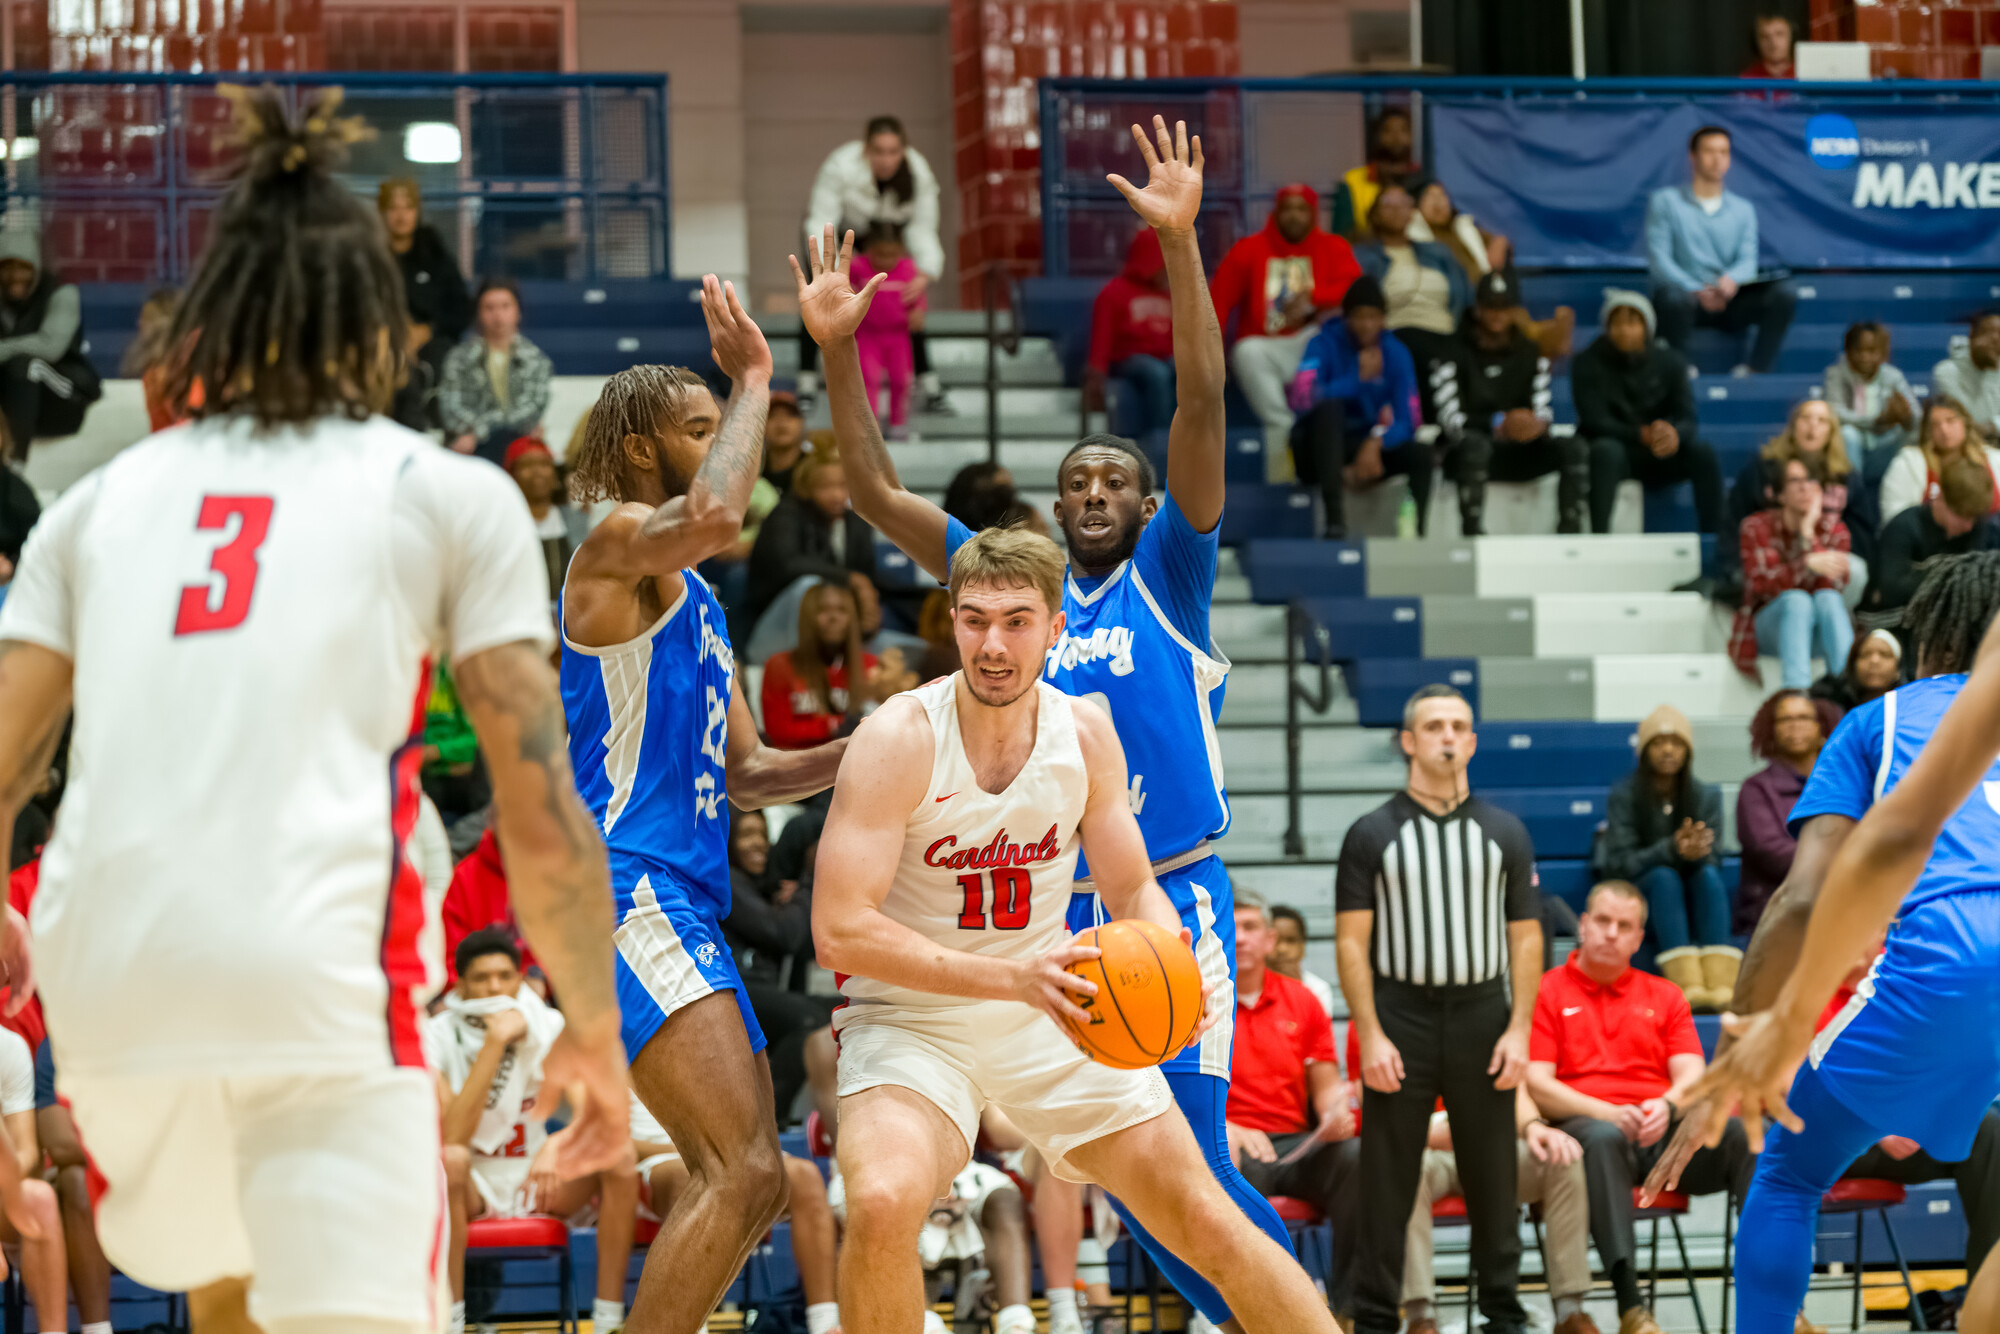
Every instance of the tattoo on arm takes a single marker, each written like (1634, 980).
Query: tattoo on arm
(736, 458)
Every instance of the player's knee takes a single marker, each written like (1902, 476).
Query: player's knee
(457, 1165)
(39, 1198)
(887, 1204)
(1004, 1214)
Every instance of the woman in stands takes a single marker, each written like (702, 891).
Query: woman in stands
(1480, 252)
(808, 697)
(1661, 831)
(1788, 731)
(1947, 428)
(434, 292)
(1811, 433)
(1874, 668)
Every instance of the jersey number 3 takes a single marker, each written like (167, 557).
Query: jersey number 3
(1013, 896)
(235, 560)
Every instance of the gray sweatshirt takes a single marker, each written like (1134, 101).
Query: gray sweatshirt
(62, 318)
(1978, 390)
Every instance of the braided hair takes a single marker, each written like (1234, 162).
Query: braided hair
(297, 311)
(636, 401)
(1949, 614)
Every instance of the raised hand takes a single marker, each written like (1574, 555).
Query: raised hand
(829, 306)
(1172, 195)
(733, 336)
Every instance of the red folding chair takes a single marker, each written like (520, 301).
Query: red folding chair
(1859, 1196)
(534, 1237)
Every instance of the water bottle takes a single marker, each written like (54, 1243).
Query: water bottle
(1406, 517)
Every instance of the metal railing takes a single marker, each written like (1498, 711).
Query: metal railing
(541, 176)
(1001, 290)
(1299, 624)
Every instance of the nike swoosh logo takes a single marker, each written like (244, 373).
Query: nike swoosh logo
(1569, 1010)
(947, 796)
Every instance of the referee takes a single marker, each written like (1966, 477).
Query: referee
(1436, 910)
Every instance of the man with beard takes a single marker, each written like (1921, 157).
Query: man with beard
(1135, 609)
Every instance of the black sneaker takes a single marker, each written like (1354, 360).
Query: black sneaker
(939, 405)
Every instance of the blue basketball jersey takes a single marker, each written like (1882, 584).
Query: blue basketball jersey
(1869, 753)
(1137, 643)
(648, 737)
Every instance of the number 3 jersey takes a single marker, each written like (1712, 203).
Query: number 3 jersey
(252, 618)
(986, 872)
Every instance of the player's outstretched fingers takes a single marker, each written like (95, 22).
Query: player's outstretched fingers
(1146, 147)
(1166, 139)
(1123, 186)
(847, 252)
(1195, 158)
(1180, 141)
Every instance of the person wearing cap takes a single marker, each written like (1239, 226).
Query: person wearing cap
(1495, 420)
(1427, 290)
(1661, 830)
(1701, 244)
(1278, 284)
(1355, 393)
(559, 525)
(1635, 406)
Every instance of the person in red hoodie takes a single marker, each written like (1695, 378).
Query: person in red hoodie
(1132, 334)
(478, 899)
(1279, 282)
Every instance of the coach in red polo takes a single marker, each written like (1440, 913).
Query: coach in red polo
(1611, 1051)
(1286, 1096)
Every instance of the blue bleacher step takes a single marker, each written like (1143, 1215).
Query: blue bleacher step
(1561, 821)
(1382, 686)
(1550, 754)
(1280, 569)
(1265, 510)
(1362, 627)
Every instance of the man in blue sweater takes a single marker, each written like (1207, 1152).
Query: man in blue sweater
(1701, 242)
(1355, 394)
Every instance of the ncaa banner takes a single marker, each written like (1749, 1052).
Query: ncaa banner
(1847, 184)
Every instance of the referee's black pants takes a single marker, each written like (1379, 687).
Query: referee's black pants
(1446, 1037)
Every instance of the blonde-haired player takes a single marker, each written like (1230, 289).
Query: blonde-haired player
(954, 981)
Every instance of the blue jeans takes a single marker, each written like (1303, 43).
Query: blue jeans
(1872, 451)
(1152, 383)
(1686, 905)
(1792, 623)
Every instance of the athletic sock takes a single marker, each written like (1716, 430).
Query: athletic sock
(822, 1316)
(453, 1324)
(1417, 1308)
(97, 1327)
(606, 1316)
(1014, 1320)
(934, 1323)
(1063, 1318)
(1569, 1306)
(1092, 1264)
(1625, 1282)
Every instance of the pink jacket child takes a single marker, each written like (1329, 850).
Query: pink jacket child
(883, 340)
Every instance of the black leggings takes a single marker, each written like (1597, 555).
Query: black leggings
(920, 355)
(1321, 447)
(788, 1018)
(1477, 459)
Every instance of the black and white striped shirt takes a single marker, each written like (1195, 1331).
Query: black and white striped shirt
(1442, 888)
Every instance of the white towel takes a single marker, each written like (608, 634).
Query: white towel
(459, 1031)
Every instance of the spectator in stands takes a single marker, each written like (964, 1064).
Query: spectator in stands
(145, 357)
(1427, 291)
(1279, 283)
(1661, 829)
(1958, 518)
(1288, 955)
(1285, 1091)
(980, 494)
(1871, 399)
(934, 625)
(1132, 336)
(1613, 1051)
(494, 388)
(1788, 730)
(1391, 146)
(20, 511)
(1774, 48)
(1810, 436)
(1355, 394)
(46, 381)
(454, 776)
(807, 700)
(1701, 243)
(1972, 377)
(487, 1046)
(72, 1173)
(893, 318)
(1874, 668)
(1948, 430)
(1796, 569)
(1634, 405)
(785, 440)
(560, 525)
(880, 178)
(478, 900)
(27, 1199)
(1480, 252)
(1496, 418)
(810, 536)
(433, 288)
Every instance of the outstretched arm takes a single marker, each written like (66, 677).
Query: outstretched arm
(831, 310)
(1169, 204)
(761, 775)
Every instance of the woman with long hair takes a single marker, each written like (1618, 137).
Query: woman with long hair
(1811, 434)
(1948, 428)
(1662, 830)
(434, 292)
(807, 695)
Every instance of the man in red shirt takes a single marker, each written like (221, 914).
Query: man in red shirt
(1611, 1052)
(1774, 49)
(1291, 1116)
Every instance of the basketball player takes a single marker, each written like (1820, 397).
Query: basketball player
(245, 611)
(1927, 1016)
(663, 743)
(943, 970)
(1136, 604)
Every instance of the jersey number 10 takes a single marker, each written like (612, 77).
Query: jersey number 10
(1013, 896)
(235, 560)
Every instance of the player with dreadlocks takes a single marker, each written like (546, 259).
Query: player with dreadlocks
(245, 611)
(1892, 835)
(663, 743)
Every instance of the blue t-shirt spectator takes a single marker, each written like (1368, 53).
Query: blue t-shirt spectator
(1689, 247)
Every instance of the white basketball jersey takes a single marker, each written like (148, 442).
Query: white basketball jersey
(987, 872)
(253, 619)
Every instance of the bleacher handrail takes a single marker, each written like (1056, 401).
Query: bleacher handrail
(1000, 287)
(1300, 622)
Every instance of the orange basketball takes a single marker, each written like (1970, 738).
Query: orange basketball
(1148, 995)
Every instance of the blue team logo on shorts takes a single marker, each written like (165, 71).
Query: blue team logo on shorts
(1832, 141)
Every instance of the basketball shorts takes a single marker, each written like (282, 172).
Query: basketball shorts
(1200, 893)
(1927, 1017)
(670, 954)
(962, 1057)
(325, 1191)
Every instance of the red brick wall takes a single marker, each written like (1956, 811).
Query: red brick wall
(1912, 39)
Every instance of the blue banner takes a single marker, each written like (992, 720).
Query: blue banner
(1847, 184)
